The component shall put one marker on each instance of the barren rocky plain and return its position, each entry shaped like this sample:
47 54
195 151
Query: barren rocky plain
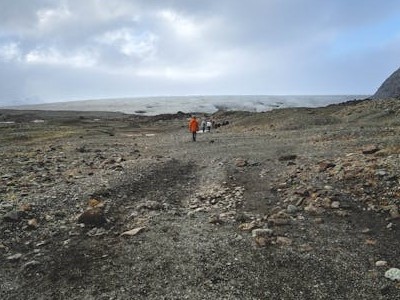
298 203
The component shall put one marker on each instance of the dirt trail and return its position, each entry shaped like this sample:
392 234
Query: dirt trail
243 213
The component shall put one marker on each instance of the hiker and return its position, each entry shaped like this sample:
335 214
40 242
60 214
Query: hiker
209 124
203 125
193 127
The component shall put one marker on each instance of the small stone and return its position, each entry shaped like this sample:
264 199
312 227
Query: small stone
279 221
394 212
328 187
262 241
335 204
249 226
283 241
32 223
264 232
326 203
299 202
14 257
6 206
95 203
25 207
303 193
41 243
370 242
48 218
240 162
133 231
291 209
215 219
12 216
393 274
381 173
319 221
313 210
279 218
381 263
371 149
323 166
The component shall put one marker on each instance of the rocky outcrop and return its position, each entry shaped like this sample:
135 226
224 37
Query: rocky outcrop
390 88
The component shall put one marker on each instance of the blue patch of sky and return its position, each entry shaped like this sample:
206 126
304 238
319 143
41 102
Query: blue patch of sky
365 38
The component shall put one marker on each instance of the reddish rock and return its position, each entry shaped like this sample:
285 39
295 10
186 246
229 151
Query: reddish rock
323 166
240 162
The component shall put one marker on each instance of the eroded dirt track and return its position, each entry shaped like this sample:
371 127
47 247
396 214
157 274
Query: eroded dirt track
247 212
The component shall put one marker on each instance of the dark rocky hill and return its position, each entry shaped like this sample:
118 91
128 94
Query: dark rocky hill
390 88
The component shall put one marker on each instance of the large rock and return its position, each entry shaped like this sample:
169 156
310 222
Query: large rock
390 88
93 216
393 274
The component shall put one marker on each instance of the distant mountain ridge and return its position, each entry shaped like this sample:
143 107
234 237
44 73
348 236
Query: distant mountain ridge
390 88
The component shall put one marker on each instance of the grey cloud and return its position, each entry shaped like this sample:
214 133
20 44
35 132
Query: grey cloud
131 49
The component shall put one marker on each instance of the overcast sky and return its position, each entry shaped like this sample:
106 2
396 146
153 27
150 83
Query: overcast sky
59 50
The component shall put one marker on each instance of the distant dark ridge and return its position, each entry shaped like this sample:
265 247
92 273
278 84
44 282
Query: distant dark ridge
390 88
349 102
30 115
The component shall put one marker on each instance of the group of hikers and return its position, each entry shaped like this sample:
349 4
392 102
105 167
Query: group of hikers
194 126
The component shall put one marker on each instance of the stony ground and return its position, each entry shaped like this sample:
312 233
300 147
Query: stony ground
289 204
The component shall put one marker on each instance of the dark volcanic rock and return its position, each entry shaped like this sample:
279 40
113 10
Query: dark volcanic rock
390 88
93 216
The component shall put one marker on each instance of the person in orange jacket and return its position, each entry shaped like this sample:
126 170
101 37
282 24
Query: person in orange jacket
193 127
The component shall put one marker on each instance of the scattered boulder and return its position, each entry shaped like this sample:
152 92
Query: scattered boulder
291 209
381 263
371 149
393 274
93 216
